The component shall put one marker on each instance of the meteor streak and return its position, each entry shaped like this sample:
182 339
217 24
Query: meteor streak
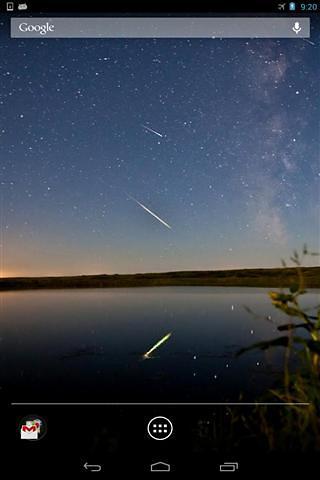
157 345
308 41
152 131
151 213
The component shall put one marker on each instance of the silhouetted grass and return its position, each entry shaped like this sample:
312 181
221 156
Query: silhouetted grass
294 426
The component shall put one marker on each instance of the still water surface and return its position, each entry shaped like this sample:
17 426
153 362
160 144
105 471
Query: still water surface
87 344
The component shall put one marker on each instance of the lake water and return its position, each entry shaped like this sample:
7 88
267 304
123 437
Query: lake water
87 345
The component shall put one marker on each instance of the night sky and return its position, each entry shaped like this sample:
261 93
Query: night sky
218 138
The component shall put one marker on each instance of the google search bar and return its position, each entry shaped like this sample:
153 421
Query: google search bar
161 27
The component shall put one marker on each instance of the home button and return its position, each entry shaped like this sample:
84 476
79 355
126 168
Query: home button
160 467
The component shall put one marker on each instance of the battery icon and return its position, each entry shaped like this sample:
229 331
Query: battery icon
292 6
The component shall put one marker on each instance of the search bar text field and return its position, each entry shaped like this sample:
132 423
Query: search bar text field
160 27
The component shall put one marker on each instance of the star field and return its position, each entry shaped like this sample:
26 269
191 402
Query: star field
235 170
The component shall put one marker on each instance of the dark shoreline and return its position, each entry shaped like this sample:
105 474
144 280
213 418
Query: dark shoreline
256 277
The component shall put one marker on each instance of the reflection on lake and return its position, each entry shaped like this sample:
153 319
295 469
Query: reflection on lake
87 345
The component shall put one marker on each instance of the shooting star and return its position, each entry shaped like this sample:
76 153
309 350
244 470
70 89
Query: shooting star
157 345
152 131
151 213
309 41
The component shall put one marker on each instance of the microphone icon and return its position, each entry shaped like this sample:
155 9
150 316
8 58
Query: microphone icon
296 27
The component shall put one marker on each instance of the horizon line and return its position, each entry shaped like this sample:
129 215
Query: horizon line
2 277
